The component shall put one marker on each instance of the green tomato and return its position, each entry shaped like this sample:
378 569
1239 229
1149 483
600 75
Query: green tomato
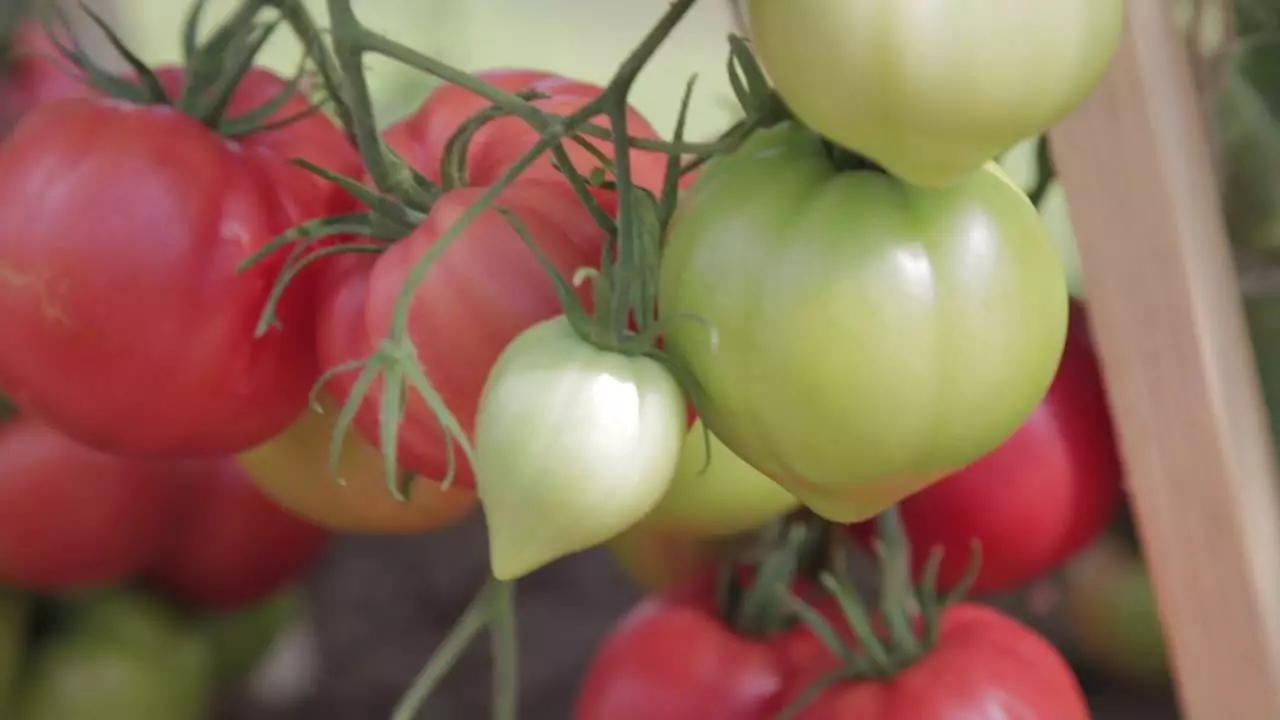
933 90
1110 614
15 611
1022 164
573 445
714 493
125 657
241 639
859 338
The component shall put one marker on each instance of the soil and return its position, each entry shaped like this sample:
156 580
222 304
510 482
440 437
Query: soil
380 605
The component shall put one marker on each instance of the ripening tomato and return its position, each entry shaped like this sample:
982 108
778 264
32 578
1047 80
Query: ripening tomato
127 325
72 517
932 91
230 545
1040 497
872 336
985 664
421 137
32 75
714 493
293 469
574 444
657 561
480 294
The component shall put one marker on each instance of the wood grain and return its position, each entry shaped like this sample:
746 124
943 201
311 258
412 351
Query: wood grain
1170 330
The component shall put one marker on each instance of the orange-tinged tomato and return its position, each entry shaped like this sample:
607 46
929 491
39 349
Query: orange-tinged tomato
293 468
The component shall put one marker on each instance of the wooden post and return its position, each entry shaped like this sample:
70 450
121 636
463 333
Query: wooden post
1170 331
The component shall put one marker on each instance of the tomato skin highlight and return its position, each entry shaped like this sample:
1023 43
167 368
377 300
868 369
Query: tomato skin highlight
231 546
1039 498
127 325
986 664
73 518
569 431
871 337
932 91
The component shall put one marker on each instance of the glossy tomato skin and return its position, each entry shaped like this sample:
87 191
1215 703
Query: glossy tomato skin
231 546
32 75
421 138
872 336
574 444
1040 497
932 92
127 324
72 517
669 659
484 291
985 665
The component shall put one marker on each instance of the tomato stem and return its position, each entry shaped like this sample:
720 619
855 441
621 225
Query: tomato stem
502 627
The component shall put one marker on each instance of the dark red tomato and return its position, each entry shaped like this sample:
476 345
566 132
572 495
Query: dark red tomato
985 665
230 546
127 325
73 518
421 137
32 75
1039 498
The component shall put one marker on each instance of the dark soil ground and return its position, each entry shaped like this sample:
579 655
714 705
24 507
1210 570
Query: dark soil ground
380 605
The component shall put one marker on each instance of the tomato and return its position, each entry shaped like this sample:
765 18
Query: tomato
130 659
231 545
488 279
421 137
293 469
574 444
985 664
716 493
127 325
676 661
1039 498
31 75
15 610
657 561
72 517
931 92
1110 614
240 639
873 336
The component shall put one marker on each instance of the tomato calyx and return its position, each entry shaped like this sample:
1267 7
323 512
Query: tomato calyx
213 69
905 628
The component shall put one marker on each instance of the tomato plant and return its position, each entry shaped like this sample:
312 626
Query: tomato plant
932 93
1040 497
714 493
873 336
488 278
293 469
72 517
230 545
569 431
127 325
123 656
983 664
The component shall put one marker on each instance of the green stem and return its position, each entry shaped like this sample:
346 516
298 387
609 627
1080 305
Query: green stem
295 13
898 598
474 619
1044 171
506 659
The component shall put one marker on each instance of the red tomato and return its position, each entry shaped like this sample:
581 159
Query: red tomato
127 325
985 665
480 294
73 518
231 546
33 75
421 137
1039 498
